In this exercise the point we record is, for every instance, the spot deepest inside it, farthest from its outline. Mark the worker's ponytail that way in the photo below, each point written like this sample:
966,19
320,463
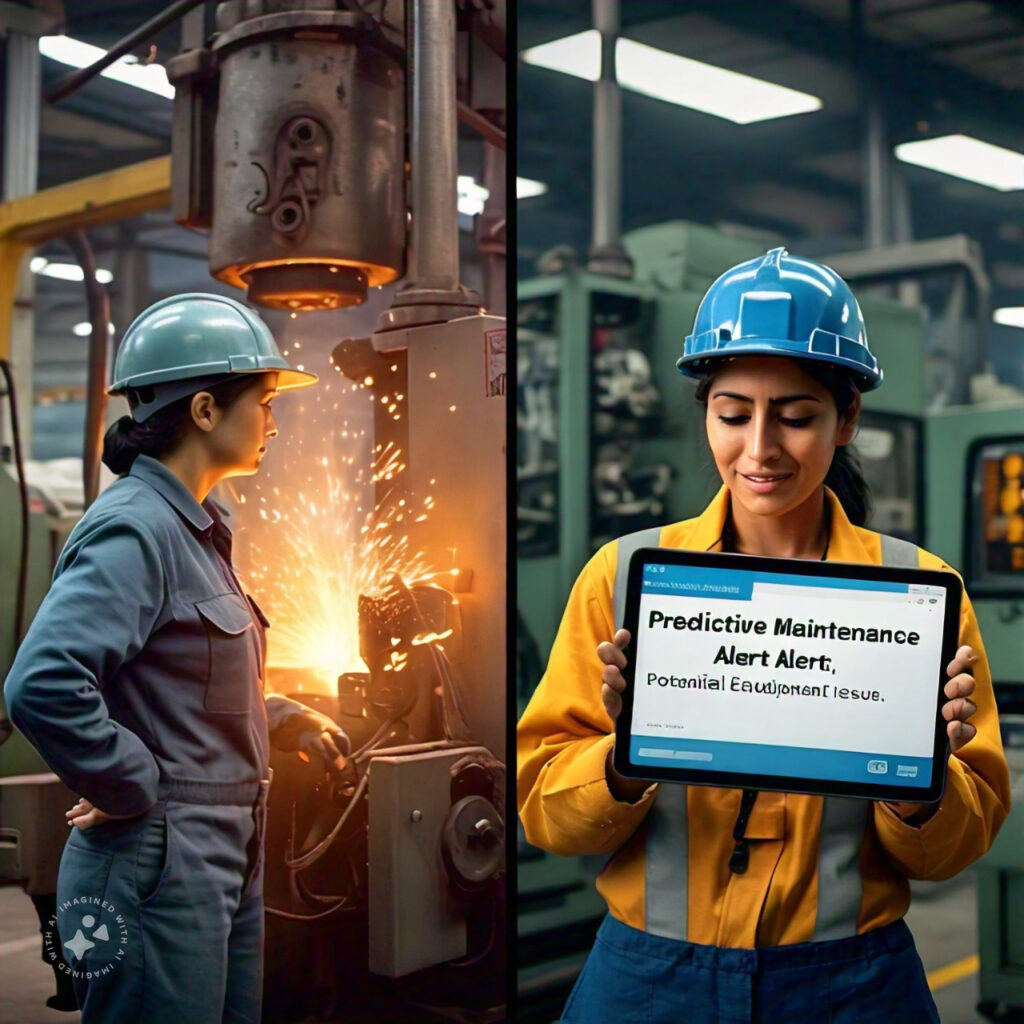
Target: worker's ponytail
125,440
161,431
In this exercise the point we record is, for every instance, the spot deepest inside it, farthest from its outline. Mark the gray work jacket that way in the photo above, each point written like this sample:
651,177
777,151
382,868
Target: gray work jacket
145,659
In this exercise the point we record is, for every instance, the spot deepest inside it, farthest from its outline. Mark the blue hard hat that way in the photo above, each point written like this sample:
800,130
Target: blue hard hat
184,343
781,305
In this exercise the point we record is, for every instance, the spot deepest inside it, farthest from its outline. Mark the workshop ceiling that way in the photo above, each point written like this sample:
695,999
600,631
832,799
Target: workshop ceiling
939,68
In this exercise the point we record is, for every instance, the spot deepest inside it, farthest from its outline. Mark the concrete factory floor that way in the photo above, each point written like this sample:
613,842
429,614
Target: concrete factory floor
26,982
943,919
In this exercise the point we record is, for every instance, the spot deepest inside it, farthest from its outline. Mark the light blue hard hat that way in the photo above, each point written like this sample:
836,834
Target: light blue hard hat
184,343
781,305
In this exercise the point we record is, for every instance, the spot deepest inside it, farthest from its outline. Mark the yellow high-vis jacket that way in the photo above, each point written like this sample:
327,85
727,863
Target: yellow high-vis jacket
820,867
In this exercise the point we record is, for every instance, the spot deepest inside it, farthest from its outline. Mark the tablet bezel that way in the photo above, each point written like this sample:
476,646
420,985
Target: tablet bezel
888,791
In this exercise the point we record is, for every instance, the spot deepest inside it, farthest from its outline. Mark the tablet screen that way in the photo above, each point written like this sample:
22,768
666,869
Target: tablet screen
820,677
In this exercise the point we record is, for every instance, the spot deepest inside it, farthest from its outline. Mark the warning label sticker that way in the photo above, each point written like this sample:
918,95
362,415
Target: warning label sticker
494,363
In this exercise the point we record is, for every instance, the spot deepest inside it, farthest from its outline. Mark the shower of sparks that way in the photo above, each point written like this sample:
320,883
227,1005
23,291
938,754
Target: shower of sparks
312,539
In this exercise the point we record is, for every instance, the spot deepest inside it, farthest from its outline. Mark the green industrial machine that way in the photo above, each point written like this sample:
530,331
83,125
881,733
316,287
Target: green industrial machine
48,530
611,440
975,482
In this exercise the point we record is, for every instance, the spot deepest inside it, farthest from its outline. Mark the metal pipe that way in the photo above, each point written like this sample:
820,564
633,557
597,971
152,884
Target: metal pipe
483,126
874,155
67,85
99,344
22,87
21,115
491,231
876,172
607,255
434,240
19,465
607,130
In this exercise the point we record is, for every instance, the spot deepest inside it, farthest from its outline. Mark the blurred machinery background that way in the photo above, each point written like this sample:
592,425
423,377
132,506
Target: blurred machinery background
344,164
634,195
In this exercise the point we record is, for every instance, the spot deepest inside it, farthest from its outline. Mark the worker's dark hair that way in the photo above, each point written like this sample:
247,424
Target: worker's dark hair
844,476
163,431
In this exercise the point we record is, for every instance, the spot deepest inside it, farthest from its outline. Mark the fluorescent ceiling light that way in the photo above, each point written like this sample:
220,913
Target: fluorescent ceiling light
471,196
128,70
84,329
1012,316
964,157
526,188
66,271
704,87
578,55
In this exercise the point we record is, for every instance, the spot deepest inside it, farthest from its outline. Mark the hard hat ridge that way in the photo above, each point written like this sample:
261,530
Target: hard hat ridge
781,305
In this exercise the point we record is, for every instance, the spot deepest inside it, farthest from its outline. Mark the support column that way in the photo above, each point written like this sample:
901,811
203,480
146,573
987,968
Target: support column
22,88
606,255
432,292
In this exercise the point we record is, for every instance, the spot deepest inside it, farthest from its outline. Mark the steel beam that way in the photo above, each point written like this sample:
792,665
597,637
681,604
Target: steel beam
53,212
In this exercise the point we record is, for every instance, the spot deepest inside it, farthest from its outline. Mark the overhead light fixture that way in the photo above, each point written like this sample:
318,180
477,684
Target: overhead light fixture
578,55
527,188
66,271
705,87
471,196
128,69
84,329
1012,316
674,79
968,158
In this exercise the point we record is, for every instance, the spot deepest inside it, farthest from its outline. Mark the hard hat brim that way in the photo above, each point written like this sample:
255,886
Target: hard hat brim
701,364
289,380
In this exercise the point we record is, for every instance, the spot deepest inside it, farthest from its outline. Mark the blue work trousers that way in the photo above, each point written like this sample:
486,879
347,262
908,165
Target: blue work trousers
160,917
631,977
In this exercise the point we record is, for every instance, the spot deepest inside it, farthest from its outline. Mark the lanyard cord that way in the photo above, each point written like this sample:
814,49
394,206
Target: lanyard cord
740,858
739,861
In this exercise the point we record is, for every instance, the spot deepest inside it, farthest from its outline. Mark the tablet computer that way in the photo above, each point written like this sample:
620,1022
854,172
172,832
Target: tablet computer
786,674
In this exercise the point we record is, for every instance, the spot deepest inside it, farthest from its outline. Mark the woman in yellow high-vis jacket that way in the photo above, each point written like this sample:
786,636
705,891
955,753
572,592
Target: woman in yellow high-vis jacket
807,925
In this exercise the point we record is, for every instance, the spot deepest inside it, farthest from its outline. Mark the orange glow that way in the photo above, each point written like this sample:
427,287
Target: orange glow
431,638
309,539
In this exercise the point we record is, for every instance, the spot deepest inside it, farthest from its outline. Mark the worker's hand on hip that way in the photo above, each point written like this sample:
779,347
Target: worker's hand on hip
84,815
959,707
612,680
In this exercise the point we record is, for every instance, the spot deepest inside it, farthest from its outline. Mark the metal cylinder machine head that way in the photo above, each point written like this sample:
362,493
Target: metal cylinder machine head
307,207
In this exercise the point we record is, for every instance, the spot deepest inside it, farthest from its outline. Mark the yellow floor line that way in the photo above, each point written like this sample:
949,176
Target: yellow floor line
943,976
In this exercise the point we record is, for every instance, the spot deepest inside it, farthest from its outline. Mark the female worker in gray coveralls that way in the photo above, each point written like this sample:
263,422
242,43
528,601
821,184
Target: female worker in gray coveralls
140,683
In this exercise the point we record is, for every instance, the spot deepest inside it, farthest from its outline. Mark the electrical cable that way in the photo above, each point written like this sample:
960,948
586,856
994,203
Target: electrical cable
288,915
310,858
98,303
359,755
491,935
70,83
19,607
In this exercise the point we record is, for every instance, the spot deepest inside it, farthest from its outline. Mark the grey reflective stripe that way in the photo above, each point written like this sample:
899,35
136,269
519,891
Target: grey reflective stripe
844,823
626,546
900,553
665,878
